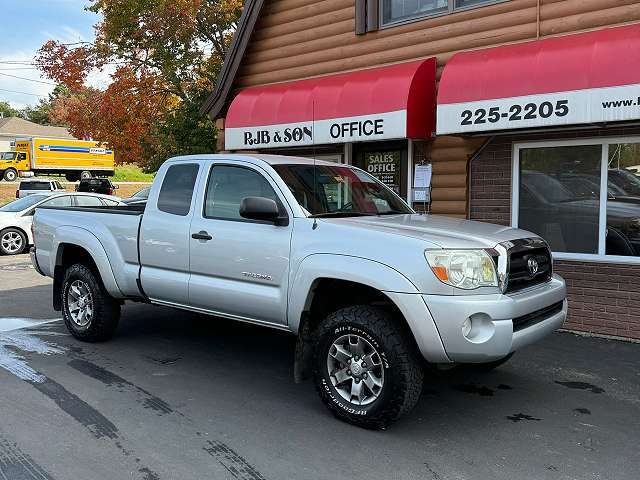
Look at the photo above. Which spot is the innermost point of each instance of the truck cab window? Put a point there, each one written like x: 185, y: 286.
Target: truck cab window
x: 177, y: 189
x: 228, y: 186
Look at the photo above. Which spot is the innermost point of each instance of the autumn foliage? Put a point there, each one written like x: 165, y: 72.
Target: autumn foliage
x: 165, y: 57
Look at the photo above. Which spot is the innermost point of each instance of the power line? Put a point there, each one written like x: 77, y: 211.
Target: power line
x: 21, y: 93
x: 27, y: 79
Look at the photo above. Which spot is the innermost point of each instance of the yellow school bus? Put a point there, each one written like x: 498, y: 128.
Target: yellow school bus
x: 41, y: 156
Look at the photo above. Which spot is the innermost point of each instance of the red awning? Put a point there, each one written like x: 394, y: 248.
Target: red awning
x: 391, y: 102
x: 591, y: 77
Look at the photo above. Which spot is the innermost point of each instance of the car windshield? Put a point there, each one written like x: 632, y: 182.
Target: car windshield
x: 22, y: 203
x: 340, y: 191
x: 8, y: 155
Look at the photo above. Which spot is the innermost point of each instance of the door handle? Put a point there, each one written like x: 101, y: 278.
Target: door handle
x: 201, y: 235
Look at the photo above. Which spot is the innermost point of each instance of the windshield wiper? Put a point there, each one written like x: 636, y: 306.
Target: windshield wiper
x: 340, y: 214
x: 392, y: 212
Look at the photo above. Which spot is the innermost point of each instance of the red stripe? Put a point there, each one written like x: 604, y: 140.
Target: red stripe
x: 603, y: 58
x: 403, y: 86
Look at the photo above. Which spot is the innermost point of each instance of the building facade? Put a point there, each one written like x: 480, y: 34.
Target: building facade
x: 524, y: 113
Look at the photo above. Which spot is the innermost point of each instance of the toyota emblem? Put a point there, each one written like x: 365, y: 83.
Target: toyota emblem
x: 532, y: 266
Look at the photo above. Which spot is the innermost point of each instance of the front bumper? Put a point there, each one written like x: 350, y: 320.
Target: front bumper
x: 492, y: 334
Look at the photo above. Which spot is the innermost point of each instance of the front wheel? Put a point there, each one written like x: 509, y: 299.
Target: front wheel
x: 366, y: 368
x: 12, y: 241
x: 89, y: 312
x: 10, y: 175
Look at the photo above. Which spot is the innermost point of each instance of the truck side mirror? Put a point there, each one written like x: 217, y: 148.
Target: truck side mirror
x: 260, y: 208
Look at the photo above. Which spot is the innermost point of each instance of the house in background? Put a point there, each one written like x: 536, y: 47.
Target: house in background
x: 15, y: 127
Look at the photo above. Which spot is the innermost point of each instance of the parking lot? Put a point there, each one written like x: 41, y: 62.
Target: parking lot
x: 181, y: 396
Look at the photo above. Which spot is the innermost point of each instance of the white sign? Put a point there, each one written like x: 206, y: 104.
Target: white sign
x: 98, y: 151
x: 595, y: 105
x: 422, y: 176
x: 382, y: 126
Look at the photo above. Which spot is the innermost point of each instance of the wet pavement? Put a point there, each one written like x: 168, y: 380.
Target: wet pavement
x: 182, y: 396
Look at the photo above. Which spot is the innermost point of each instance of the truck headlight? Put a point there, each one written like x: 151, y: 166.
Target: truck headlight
x: 466, y: 269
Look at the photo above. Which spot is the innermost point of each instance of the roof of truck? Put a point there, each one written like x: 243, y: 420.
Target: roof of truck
x: 270, y: 159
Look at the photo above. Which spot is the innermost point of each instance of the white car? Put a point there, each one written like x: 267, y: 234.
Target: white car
x: 16, y: 217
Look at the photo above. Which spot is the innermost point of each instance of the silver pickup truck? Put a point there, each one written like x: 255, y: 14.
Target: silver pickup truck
x: 373, y: 291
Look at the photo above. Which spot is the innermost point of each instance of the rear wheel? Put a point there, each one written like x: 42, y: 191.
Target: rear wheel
x: 10, y: 175
x: 12, y: 241
x: 85, y: 175
x: 366, y: 368
x: 89, y: 312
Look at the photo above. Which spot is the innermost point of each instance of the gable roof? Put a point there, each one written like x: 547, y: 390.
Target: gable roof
x: 214, y: 104
x: 16, y: 126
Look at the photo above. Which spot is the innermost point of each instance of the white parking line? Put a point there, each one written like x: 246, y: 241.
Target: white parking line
x: 11, y: 323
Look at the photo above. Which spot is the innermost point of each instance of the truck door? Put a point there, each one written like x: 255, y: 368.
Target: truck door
x: 165, y: 236
x: 239, y: 267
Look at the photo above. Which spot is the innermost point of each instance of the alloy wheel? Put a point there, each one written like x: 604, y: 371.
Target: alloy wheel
x: 80, y: 303
x: 355, y: 369
x: 11, y: 242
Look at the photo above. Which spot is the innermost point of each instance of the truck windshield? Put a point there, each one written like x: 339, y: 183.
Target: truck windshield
x: 8, y: 155
x: 22, y: 203
x: 340, y: 191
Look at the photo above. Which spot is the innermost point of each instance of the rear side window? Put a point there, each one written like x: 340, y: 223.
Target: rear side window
x: 35, y: 186
x: 64, y: 201
x: 86, y: 201
x: 177, y: 189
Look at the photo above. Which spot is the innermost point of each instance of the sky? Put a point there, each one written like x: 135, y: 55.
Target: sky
x: 24, y: 26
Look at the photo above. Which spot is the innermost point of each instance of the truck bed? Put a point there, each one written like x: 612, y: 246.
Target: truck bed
x: 110, y: 232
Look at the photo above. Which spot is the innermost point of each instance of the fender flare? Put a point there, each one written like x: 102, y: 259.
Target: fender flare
x: 340, y: 267
x: 83, y: 238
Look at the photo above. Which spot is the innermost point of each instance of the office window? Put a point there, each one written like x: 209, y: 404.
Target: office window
x: 561, y: 195
x: 397, y: 11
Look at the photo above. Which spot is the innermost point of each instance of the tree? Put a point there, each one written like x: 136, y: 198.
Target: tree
x: 41, y: 113
x: 7, y: 110
x: 168, y: 54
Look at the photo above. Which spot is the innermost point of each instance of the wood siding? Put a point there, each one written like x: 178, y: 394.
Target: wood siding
x: 296, y: 39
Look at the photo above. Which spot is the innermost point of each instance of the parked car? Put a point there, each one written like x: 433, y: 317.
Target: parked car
x: 322, y: 250
x: 16, y: 217
x: 573, y: 202
x: 40, y: 186
x: 97, y: 185
x: 139, y: 197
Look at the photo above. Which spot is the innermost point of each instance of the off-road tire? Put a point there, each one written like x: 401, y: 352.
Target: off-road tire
x: 403, y: 373
x: 16, y: 233
x: 10, y: 175
x: 106, y: 310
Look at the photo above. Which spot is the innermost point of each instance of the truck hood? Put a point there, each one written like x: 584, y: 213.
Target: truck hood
x: 443, y: 232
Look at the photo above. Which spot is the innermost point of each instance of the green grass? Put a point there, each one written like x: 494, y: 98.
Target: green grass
x: 131, y: 173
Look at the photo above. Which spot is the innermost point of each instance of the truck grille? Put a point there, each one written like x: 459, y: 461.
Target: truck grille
x: 520, y: 255
x: 520, y: 323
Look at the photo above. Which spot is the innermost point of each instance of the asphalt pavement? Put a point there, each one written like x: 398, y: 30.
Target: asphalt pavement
x: 182, y: 396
